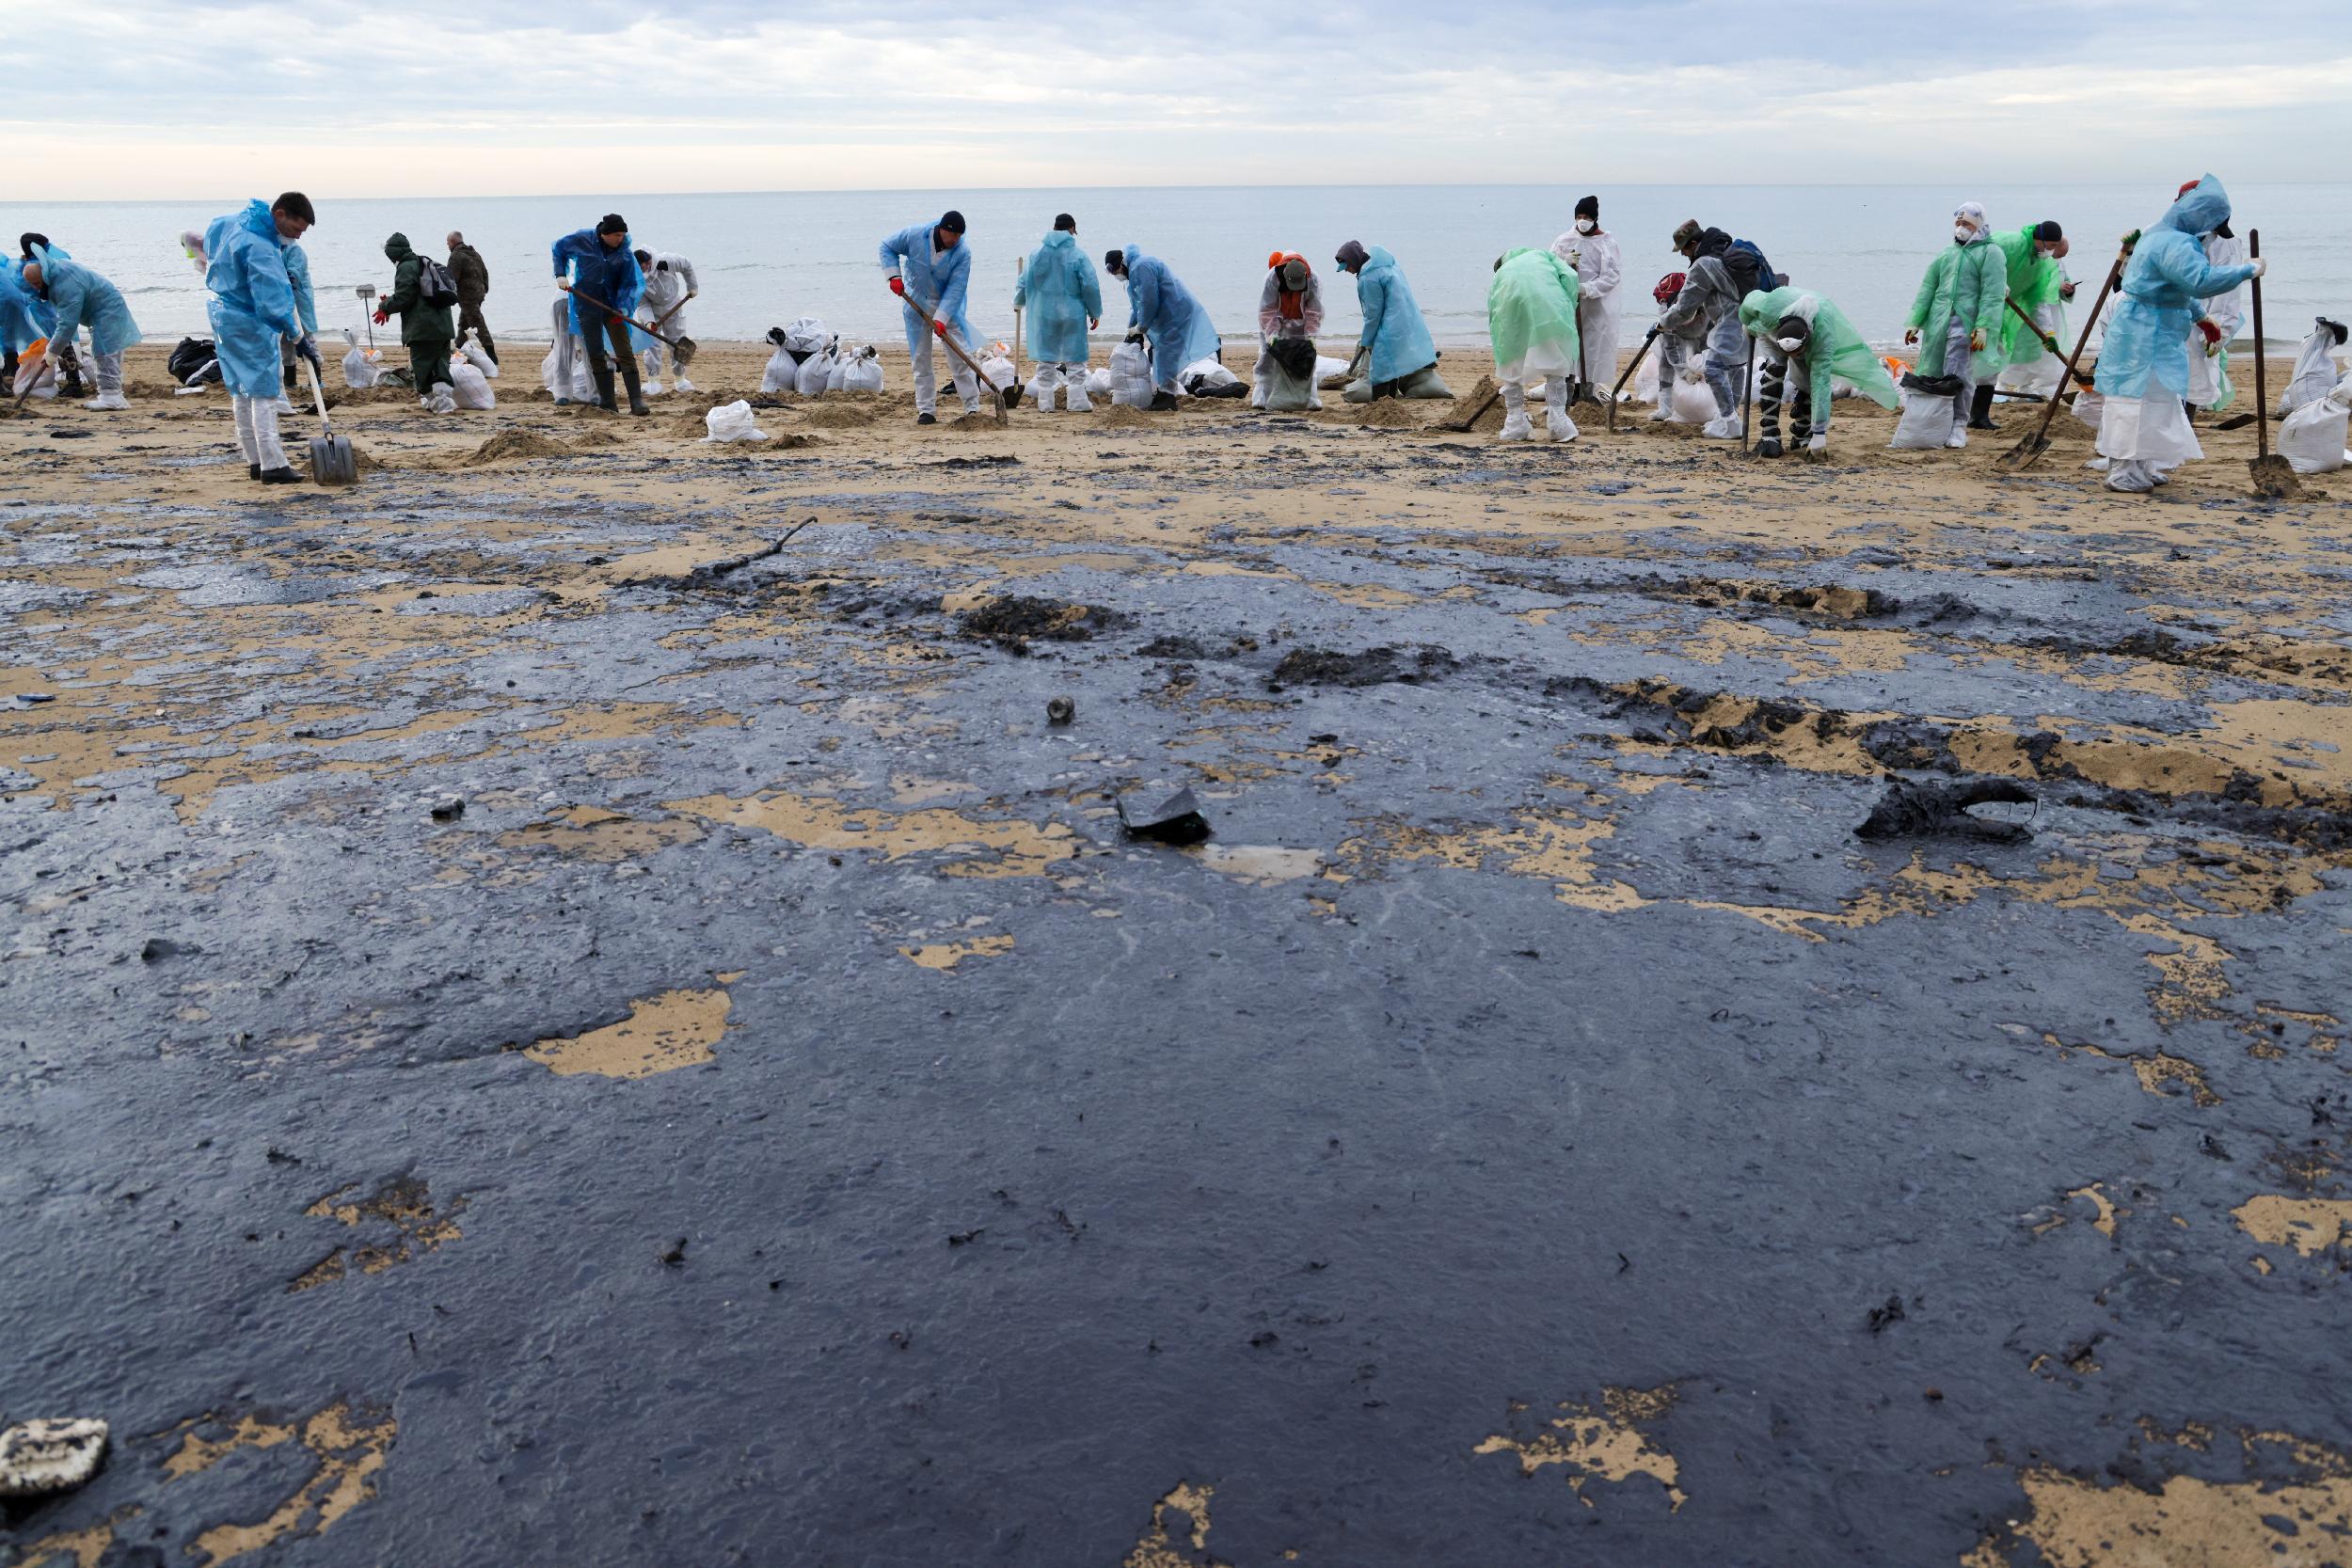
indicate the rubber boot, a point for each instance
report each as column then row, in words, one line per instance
column 1981, row 415
column 636, row 388
column 601, row 374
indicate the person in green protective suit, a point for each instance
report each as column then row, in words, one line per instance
column 2031, row 257
column 427, row 329
column 1531, row 318
column 1807, row 342
column 1956, row 319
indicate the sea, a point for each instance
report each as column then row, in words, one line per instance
column 767, row 260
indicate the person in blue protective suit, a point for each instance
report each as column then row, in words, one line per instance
column 599, row 269
column 928, row 264
column 71, row 383
column 251, row 309
column 306, row 316
column 1396, row 356
column 24, row 320
column 2143, row 361
column 1161, row 310
column 1059, row 291
column 82, row 298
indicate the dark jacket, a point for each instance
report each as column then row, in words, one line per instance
column 466, row 269
column 419, row 322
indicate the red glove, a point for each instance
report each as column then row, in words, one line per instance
column 2212, row 329
column 940, row 327
column 617, row 320
column 381, row 318
column 898, row 285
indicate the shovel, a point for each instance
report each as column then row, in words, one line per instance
column 2034, row 327
column 2021, row 456
column 2274, row 476
column 596, row 304
column 1615, row 391
column 977, row 374
column 1747, row 399
column 685, row 346
column 332, row 461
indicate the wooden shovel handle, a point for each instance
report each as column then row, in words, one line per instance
column 2049, row 411
column 1627, row 375
column 2261, row 387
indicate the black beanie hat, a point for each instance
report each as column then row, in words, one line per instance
column 1115, row 259
column 612, row 223
column 1588, row 207
column 952, row 221
column 2048, row 232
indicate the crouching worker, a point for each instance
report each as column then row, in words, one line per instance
column 1531, row 315
column 1161, row 310
column 2143, row 360
column 1290, row 313
column 1395, row 357
column 252, row 306
column 1064, row 301
column 427, row 328
column 82, row 298
column 1807, row 342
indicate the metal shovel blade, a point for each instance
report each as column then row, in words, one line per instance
column 2024, row 455
column 332, row 461
column 685, row 351
column 2275, row 477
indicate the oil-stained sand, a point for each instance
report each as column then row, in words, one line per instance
column 569, row 1003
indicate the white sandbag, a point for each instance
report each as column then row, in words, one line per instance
column 1098, row 382
column 999, row 370
column 813, row 370
column 783, row 373
column 470, row 386
column 1209, row 374
column 1131, row 376
column 2312, row 439
column 361, row 371
column 1645, row 388
column 2088, row 406
column 1328, row 370
column 839, row 376
column 733, row 422
column 1694, row 402
column 864, row 372
column 1925, row 422
column 477, row 356
column 2316, row 370
column 805, row 336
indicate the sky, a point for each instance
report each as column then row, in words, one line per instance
column 129, row 99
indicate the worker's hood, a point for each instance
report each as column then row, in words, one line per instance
column 398, row 249
column 1060, row 239
column 2202, row 211
column 255, row 220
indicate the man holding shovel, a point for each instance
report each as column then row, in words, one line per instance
column 252, row 306
column 930, row 265
column 2143, row 362
column 670, row 282
column 596, row 268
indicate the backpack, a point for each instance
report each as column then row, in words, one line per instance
column 433, row 283
column 1748, row 267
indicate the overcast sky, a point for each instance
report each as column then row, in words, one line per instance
column 130, row 99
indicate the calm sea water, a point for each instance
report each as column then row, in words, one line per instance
column 764, row 260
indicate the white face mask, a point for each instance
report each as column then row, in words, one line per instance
column 1585, row 226
column 1961, row 233
column 1789, row 345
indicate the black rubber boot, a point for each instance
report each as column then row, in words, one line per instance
column 252, row 471
column 1163, row 403
column 1980, row 415
column 278, row 476
column 925, row 418
column 600, row 372
column 636, row 387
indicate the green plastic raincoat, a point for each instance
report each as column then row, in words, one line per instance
column 1968, row 281
column 1835, row 349
column 2033, row 283
column 1531, row 315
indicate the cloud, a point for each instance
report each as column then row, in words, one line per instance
column 437, row 97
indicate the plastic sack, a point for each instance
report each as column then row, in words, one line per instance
column 1328, row 370
column 2316, row 370
column 1280, row 390
column 1694, row 402
column 1131, row 376
column 1207, row 375
column 806, row 336
column 839, row 376
column 999, row 370
column 733, row 422
column 2312, row 439
column 864, row 372
column 783, row 373
column 813, row 370
column 477, row 356
column 470, row 387
column 1925, row 422
column 360, row 371
column 1098, row 383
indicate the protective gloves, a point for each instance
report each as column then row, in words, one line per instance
column 2262, row 266
column 898, row 285
column 308, row 349
column 1911, row 336
column 1975, row 343
column 940, row 327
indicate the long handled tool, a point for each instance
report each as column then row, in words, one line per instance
column 2034, row 327
column 2274, row 476
column 1614, row 393
column 1747, row 396
column 1020, row 271
column 948, row 337
column 2021, row 456
column 332, row 461
column 592, row 300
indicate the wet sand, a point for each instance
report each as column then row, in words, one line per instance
column 571, row 994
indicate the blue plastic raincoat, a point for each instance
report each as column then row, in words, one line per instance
column 1059, row 291
column 298, row 277
column 1400, row 339
column 2147, row 333
column 25, row 316
column 82, row 298
column 941, row 285
column 1163, row 310
column 253, row 300
column 596, row 268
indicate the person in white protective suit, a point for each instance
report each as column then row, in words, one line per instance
column 1290, row 313
column 670, row 282
column 1600, row 265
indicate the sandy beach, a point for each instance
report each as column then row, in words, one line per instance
column 571, row 994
